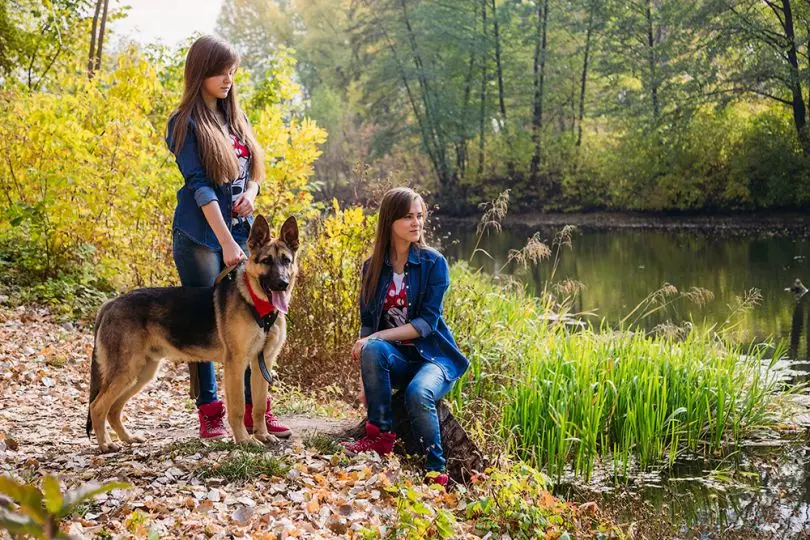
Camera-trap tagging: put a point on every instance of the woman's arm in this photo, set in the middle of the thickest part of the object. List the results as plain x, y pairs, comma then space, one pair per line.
400, 333
197, 181
231, 252
192, 169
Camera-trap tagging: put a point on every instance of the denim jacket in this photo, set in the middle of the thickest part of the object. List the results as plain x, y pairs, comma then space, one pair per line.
197, 191
427, 279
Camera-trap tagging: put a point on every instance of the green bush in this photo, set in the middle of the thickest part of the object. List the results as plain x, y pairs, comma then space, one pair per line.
38, 512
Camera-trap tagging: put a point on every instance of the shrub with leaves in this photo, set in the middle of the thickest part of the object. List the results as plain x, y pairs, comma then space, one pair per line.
88, 179
418, 517
325, 318
37, 512
516, 501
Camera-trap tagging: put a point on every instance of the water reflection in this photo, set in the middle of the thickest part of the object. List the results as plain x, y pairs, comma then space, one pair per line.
798, 323
762, 491
620, 268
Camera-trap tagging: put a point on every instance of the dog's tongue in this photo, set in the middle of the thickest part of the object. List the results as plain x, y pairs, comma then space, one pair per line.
281, 301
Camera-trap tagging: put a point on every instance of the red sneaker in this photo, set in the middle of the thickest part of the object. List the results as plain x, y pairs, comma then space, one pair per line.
211, 420
274, 426
382, 443
437, 478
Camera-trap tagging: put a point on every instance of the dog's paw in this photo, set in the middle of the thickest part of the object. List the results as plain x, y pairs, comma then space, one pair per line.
107, 448
266, 438
133, 439
250, 440
253, 441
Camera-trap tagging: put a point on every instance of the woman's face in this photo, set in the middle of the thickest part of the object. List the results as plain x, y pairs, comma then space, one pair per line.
219, 85
409, 227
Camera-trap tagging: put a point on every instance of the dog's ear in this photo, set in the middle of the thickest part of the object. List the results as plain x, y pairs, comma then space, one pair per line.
259, 233
289, 233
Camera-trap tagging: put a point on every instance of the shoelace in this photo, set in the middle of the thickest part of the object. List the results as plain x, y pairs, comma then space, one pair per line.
212, 421
365, 443
273, 421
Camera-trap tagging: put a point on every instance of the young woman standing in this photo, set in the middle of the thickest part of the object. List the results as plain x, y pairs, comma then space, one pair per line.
222, 165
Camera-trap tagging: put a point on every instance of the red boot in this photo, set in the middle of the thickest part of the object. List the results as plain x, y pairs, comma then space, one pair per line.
274, 427
211, 424
437, 478
382, 443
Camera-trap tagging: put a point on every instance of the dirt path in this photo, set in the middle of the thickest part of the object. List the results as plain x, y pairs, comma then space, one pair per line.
43, 406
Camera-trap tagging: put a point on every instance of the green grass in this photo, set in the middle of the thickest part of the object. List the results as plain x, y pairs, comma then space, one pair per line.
323, 444
197, 446
564, 397
243, 461
240, 466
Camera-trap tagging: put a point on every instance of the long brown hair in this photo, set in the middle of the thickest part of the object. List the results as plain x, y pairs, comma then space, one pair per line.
209, 56
395, 204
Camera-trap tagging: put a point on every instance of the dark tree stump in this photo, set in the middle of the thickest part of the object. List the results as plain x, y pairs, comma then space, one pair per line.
463, 457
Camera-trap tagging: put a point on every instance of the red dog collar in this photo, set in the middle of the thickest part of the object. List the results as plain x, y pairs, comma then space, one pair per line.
263, 307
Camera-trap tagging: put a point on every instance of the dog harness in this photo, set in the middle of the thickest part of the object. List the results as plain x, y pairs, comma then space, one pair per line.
263, 311
265, 314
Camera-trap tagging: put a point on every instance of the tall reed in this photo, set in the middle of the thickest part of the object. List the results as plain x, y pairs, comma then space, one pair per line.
563, 395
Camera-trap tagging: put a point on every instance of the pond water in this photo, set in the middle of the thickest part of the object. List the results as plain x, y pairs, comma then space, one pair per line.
762, 489
620, 267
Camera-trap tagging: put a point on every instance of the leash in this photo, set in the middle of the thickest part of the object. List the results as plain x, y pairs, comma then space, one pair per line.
228, 272
194, 378
265, 322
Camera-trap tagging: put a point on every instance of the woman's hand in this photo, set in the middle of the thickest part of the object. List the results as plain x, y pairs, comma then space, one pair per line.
246, 203
358, 347
232, 253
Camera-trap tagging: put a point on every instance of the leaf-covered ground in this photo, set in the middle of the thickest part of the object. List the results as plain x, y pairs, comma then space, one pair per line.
182, 487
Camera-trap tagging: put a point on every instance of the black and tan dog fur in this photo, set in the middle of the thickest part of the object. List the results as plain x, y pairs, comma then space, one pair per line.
135, 331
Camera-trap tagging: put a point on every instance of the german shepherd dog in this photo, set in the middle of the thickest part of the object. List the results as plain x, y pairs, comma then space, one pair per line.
135, 331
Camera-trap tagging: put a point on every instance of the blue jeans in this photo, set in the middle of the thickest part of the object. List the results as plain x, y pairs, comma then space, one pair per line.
386, 365
199, 266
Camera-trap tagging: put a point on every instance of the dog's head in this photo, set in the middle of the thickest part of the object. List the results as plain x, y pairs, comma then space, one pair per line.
272, 261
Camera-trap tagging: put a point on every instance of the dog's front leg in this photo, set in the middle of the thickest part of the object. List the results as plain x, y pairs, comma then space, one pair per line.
258, 386
235, 397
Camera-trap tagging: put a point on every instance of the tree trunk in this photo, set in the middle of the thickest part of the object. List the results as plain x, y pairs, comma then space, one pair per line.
584, 77
91, 57
463, 457
799, 110
461, 146
101, 34
427, 139
510, 164
433, 125
483, 94
652, 60
539, 77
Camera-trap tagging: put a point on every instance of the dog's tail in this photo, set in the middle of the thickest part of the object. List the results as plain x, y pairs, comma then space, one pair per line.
95, 371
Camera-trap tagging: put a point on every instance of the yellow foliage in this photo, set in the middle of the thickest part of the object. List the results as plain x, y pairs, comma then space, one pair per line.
84, 169
291, 151
87, 178
325, 316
